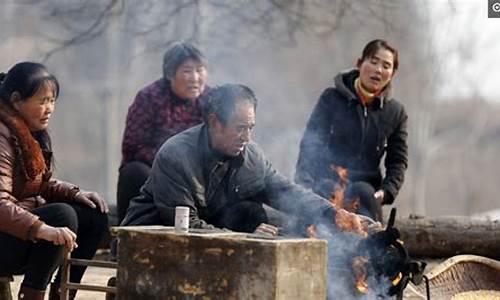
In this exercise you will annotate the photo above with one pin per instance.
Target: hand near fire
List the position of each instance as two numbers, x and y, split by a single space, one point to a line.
370 226
352 222
266 229
366 226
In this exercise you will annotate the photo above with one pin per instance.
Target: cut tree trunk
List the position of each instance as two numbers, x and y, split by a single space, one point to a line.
440 237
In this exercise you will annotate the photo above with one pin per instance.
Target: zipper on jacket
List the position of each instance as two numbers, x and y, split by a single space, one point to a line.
365 111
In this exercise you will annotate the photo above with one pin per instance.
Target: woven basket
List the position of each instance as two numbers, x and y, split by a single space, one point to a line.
478 295
460 274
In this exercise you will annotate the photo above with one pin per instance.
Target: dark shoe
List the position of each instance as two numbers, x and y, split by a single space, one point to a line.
55 293
26 293
111 282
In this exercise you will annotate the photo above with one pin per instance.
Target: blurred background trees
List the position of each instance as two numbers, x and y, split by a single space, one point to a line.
288 51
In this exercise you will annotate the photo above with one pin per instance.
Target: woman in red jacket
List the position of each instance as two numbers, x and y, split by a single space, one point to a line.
39 215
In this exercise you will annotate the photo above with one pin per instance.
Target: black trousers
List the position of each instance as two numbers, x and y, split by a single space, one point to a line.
38 261
131 177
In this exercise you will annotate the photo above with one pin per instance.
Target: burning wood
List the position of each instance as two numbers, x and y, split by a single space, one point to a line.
338 194
379 261
359 266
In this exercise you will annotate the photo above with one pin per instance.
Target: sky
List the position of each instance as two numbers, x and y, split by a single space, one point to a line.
464 25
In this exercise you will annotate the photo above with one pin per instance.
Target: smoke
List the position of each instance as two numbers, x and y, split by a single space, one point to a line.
343 248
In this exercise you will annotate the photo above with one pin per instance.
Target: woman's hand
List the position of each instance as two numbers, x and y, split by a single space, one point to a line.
379 195
267 229
57 235
92 199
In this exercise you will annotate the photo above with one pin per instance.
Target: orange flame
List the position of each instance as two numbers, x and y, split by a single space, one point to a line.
359 268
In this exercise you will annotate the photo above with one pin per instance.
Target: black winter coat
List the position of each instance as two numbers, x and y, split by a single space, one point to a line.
343 132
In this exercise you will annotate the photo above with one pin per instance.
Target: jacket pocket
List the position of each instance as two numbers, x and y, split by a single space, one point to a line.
248 189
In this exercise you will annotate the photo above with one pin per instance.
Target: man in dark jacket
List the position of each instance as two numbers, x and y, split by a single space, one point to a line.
223 177
352 126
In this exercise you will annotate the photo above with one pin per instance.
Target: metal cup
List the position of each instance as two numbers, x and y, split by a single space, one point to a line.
181 219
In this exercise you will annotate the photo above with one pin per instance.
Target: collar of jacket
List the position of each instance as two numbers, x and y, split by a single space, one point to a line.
344 83
26 147
211 156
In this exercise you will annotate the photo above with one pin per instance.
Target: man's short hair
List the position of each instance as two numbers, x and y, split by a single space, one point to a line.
177 54
222 101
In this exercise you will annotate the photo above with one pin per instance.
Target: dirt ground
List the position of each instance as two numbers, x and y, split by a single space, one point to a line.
100 276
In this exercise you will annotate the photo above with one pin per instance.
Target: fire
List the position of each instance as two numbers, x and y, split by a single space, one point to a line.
337 197
360 273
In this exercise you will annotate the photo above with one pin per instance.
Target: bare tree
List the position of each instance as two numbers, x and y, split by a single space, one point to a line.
160 22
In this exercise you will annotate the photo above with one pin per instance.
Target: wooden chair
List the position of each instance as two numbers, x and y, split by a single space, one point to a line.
66 285
5 292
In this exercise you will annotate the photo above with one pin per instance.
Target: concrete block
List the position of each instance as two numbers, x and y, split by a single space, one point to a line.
157 263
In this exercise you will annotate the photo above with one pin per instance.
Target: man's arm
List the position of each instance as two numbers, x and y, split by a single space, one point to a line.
291 198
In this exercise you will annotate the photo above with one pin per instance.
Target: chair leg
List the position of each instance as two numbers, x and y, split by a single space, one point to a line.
65 275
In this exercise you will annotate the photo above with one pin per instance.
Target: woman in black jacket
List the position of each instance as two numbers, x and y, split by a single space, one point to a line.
353 125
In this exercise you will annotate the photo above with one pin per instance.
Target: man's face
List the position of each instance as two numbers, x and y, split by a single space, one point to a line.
232 138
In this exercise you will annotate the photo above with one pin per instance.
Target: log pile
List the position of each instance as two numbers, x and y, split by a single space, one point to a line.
439 237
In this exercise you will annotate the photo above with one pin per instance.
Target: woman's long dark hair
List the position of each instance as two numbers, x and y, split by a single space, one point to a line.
26 78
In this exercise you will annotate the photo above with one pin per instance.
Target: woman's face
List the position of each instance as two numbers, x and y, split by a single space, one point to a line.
189 79
376 72
37 109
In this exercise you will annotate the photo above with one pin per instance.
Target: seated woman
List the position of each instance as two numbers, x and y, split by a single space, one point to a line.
164 108
39 215
354 124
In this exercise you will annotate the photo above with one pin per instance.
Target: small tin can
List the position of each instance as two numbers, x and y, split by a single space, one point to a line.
181 219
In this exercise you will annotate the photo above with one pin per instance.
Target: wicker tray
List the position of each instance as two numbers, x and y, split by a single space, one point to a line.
461 274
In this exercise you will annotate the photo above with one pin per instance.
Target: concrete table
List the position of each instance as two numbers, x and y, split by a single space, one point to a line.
156 263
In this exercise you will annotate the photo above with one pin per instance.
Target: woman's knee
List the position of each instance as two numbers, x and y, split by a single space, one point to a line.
91 219
368 204
58 215
100 221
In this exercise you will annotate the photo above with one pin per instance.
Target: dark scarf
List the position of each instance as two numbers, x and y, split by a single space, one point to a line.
31 156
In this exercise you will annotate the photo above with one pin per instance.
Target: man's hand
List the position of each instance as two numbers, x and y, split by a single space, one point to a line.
57 235
92 199
349 222
370 226
266 229
379 195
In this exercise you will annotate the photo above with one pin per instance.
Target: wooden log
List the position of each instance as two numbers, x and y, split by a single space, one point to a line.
439 237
